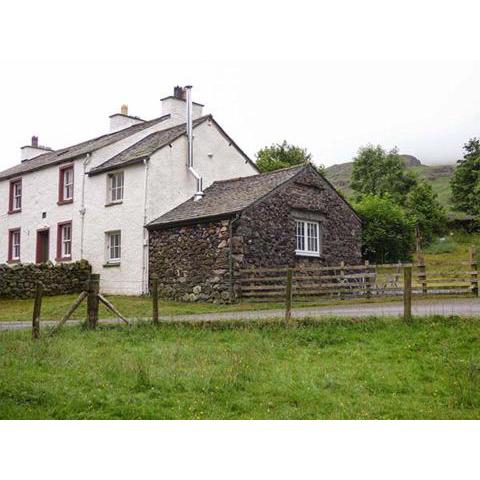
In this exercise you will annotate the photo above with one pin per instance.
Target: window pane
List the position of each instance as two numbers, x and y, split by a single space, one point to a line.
15 245
300 234
68 184
17 194
66 241
114 246
312 237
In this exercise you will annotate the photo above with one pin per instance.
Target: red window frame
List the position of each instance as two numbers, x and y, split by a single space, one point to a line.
11 200
10 245
60 226
61 184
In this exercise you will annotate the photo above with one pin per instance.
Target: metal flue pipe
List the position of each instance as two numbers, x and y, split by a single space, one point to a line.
199 193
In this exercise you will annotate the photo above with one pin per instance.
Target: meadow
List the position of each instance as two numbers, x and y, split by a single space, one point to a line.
336 369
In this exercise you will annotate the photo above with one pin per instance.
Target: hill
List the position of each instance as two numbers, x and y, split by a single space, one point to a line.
437 175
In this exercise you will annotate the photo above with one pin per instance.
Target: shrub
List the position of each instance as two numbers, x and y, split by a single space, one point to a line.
387 233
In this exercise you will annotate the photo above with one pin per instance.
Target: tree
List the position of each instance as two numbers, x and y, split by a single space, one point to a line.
465 182
387 232
425 210
283 155
378 172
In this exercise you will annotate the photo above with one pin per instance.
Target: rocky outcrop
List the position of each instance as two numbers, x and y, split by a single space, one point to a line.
19 280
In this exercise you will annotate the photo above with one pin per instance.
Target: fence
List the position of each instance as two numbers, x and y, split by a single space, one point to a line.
366 280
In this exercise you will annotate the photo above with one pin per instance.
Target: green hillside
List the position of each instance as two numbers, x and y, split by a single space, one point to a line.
437 175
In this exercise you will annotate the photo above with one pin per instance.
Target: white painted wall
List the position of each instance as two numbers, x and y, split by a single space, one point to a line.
169 183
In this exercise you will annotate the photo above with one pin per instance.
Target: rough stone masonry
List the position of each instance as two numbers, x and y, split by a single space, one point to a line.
201 260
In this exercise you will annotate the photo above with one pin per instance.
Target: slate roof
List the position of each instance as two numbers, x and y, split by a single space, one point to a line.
226 197
145 147
70 153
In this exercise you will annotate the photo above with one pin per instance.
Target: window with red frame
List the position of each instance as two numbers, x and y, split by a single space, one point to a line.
64 241
65 188
15 203
14 245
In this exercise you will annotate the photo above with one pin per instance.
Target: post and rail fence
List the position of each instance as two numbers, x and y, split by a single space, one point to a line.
309 282
407 280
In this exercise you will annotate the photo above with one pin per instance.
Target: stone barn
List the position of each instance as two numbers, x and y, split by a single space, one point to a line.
288 217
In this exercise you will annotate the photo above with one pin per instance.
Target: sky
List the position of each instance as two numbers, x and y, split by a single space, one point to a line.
320 79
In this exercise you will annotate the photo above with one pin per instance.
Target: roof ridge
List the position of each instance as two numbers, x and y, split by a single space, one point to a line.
179 126
110 133
264 174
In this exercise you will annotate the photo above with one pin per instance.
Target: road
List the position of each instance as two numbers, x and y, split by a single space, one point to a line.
465 307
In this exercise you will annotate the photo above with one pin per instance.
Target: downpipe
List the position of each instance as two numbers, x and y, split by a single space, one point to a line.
83 210
146 163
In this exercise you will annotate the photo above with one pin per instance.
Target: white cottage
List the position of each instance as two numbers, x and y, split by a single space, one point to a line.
92 200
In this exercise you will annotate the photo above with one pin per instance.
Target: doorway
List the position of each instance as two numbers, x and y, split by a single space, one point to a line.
43 241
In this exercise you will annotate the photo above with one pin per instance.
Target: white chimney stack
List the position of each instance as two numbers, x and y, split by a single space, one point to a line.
119 121
174 105
33 150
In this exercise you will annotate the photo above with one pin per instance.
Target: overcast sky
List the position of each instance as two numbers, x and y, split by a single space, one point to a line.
329 82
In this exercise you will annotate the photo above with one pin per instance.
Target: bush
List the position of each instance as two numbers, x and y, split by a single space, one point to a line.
387 233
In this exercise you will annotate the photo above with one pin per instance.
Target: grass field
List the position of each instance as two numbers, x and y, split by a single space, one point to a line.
374 369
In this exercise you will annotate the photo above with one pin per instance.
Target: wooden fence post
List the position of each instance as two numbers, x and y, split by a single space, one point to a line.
155 299
37 307
92 300
422 273
368 279
474 268
407 294
288 297
342 278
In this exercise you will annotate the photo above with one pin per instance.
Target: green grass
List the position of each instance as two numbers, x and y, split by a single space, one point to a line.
447 255
374 369
442 245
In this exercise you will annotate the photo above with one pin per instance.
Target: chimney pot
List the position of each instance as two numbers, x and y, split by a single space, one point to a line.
178 92
124 109
35 141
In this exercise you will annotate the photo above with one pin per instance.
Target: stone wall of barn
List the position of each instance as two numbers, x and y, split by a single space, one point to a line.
266 230
19 280
192 262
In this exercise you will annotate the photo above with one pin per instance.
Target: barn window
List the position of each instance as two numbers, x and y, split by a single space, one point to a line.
307 236
115 187
114 246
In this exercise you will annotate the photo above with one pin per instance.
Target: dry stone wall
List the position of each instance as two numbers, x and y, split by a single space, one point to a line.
19 281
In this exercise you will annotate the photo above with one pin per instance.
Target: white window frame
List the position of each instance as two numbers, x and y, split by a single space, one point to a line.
110 248
15 246
66 241
17 197
310 245
115 193
67 186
